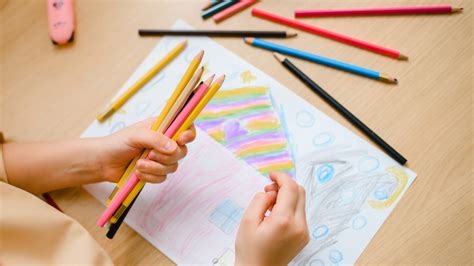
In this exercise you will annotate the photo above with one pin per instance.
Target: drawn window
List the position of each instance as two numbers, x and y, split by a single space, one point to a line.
227 216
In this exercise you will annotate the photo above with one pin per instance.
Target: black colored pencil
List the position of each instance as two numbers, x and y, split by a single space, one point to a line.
341 109
115 226
217 33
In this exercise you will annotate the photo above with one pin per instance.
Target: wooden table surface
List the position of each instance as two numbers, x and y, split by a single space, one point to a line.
52 93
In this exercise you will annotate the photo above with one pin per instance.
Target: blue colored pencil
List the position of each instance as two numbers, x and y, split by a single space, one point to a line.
217 8
320 60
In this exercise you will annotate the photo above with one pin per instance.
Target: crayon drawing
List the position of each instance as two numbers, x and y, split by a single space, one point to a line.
245 121
340 183
254 125
203 202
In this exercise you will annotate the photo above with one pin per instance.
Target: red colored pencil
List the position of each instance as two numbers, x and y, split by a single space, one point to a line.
233 10
328 34
377 11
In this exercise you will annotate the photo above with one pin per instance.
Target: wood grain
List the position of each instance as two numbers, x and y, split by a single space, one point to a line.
54 93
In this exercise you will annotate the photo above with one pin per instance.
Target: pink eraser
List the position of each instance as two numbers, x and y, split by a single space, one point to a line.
61 21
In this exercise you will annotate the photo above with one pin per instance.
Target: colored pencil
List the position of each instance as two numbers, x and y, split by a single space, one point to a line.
340 109
133 180
164 119
114 227
118 218
328 34
142 81
321 60
197 110
377 11
184 122
228 12
172 114
217 33
217 8
210 4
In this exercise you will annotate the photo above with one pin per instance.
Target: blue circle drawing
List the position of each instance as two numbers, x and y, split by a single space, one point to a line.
320 231
149 86
322 139
359 222
325 173
347 196
304 119
381 193
335 256
117 126
142 107
368 164
316 262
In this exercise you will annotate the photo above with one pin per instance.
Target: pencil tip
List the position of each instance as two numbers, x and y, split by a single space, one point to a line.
185 42
457 9
220 80
209 80
402 57
199 55
291 34
278 57
249 40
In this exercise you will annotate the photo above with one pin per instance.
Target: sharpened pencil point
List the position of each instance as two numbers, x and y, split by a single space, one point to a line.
249 40
457 9
387 78
402 57
220 80
209 80
185 42
199 56
291 34
278 57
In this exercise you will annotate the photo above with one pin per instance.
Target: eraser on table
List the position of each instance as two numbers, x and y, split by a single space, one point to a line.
61 21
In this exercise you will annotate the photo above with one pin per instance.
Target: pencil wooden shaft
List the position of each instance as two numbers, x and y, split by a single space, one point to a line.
141 82
344 112
214 33
173 112
114 227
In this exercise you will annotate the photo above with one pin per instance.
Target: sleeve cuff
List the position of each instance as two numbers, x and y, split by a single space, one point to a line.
3 174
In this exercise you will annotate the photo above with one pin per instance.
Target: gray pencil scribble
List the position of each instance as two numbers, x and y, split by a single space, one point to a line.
336 192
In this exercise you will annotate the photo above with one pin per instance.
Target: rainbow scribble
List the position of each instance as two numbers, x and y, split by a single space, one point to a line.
402 179
245 122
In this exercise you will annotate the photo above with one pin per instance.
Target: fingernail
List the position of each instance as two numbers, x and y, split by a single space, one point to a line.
170 145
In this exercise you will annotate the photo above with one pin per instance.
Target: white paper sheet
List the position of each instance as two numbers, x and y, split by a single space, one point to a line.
351 186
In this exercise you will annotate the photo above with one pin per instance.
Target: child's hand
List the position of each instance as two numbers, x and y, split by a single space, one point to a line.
277 238
120 148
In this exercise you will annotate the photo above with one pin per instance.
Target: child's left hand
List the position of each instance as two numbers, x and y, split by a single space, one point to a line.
120 148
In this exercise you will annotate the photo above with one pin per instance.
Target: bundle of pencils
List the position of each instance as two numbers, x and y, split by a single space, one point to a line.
187 101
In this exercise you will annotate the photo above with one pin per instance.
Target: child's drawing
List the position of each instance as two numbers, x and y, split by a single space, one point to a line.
193 217
245 122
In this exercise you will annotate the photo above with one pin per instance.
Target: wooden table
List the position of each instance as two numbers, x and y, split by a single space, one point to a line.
54 93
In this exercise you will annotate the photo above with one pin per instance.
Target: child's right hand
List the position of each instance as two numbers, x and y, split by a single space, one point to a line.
277 238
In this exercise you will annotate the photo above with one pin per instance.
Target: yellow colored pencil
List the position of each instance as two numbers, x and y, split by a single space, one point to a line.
156 125
173 112
142 81
186 124
194 114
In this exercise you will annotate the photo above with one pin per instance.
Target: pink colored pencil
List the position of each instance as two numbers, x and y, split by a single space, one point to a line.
377 11
230 11
328 34
132 182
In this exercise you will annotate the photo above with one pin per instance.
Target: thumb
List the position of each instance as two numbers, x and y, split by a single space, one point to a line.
149 139
259 205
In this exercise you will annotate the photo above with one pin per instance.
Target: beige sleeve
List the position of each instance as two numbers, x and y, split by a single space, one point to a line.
32 232
3 174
